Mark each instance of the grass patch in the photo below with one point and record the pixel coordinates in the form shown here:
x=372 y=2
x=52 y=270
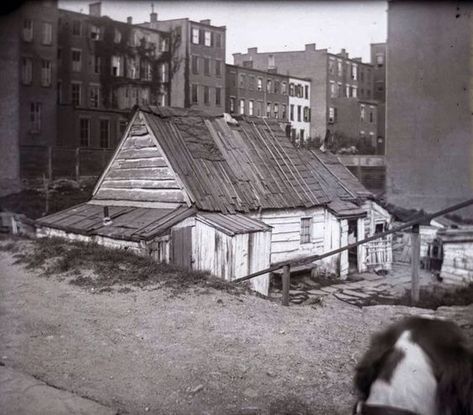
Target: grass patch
x=92 y=266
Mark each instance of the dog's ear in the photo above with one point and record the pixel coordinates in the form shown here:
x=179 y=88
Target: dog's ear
x=373 y=361
x=455 y=384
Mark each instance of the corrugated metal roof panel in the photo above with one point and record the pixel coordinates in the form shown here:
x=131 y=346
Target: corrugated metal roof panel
x=233 y=224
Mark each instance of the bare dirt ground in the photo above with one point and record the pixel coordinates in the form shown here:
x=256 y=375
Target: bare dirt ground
x=201 y=352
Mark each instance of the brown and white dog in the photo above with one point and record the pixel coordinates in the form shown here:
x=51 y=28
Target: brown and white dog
x=419 y=366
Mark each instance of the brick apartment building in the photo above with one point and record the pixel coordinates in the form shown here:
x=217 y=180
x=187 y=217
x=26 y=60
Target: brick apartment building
x=106 y=67
x=271 y=95
x=333 y=76
x=199 y=62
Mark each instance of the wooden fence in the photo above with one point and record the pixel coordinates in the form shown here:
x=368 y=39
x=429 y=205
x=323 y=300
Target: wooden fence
x=62 y=162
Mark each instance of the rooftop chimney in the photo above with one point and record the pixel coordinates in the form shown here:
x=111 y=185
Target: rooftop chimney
x=153 y=17
x=310 y=47
x=252 y=50
x=205 y=21
x=95 y=9
x=129 y=20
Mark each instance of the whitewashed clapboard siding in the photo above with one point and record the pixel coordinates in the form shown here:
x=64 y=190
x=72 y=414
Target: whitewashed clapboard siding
x=139 y=172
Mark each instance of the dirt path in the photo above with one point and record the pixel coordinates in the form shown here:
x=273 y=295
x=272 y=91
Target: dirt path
x=203 y=353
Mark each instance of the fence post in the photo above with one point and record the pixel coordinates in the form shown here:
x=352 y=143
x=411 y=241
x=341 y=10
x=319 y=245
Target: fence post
x=77 y=164
x=415 y=262
x=50 y=163
x=286 y=280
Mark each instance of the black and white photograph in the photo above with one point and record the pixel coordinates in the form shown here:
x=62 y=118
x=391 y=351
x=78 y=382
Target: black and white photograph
x=235 y=207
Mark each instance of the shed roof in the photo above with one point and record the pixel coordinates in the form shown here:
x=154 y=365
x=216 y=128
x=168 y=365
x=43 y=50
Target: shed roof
x=233 y=224
x=246 y=166
x=130 y=223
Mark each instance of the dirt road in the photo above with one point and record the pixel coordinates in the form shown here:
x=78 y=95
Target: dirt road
x=203 y=353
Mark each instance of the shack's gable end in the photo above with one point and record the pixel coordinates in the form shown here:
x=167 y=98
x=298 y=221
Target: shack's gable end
x=140 y=172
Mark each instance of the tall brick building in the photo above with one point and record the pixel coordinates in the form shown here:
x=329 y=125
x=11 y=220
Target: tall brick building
x=199 y=78
x=333 y=76
x=429 y=104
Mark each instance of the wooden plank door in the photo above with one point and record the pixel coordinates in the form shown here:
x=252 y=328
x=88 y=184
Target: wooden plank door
x=181 y=242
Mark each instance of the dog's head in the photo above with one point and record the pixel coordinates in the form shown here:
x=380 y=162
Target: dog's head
x=445 y=348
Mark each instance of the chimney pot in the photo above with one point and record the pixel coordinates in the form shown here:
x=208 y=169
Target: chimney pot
x=252 y=50
x=129 y=20
x=153 y=17
x=95 y=9
x=205 y=21
x=310 y=47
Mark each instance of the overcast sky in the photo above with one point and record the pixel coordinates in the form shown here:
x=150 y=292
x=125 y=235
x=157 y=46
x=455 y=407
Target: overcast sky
x=269 y=25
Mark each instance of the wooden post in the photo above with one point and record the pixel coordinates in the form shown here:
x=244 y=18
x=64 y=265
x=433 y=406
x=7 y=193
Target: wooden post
x=50 y=163
x=286 y=280
x=77 y=164
x=415 y=262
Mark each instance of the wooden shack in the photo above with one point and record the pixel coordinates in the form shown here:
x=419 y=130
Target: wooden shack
x=230 y=196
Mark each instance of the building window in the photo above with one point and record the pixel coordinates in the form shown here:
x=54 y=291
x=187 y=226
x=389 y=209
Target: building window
x=206 y=66
x=27 y=30
x=195 y=36
x=76 y=60
x=84 y=132
x=306 y=114
x=242 y=106
x=269 y=86
x=26 y=70
x=379 y=60
x=218 y=40
x=117 y=36
x=76 y=27
x=232 y=105
x=218 y=96
x=195 y=65
x=283 y=111
x=94 y=95
x=206 y=95
x=362 y=112
x=242 y=80
x=45 y=72
x=104 y=133
x=75 y=94
x=347 y=90
x=147 y=71
x=355 y=91
x=268 y=109
x=164 y=44
x=340 y=68
x=331 y=66
x=259 y=108
x=284 y=88
x=218 y=68
x=371 y=116
x=276 y=110
x=195 y=94
x=164 y=99
x=277 y=85
x=164 y=72
x=251 y=108
x=94 y=32
x=306 y=89
x=305 y=230
x=144 y=96
x=340 y=89
x=35 y=117
x=299 y=113
x=207 y=38
x=96 y=62
x=271 y=63
x=291 y=112
x=47 y=33
x=260 y=84
x=332 y=115
x=117 y=65
x=354 y=72
x=122 y=124
x=291 y=89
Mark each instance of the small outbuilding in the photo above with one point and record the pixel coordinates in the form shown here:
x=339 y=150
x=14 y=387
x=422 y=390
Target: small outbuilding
x=230 y=196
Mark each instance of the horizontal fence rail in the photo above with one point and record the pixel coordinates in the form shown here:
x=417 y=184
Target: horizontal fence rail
x=421 y=219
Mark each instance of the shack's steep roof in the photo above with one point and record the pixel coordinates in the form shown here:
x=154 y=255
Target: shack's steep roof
x=232 y=168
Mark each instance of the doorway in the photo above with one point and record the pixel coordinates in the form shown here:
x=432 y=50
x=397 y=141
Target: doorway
x=352 y=252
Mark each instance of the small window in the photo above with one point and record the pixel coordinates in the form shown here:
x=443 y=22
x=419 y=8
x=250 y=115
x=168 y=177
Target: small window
x=371 y=117
x=26 y=70
x=117 y=66
x=268 y=109
x=84 y=132
x=299 y=113
x=94 y=95
x=291 y=113
x=104 y=133
x=269 y=86
x=218 y=96
x=96 y=62
x=283 y=111
x=251 y=107
x=45 y=73
x=164 y=44
x=206 y=66
x=242 y=106
x=305 y=230
x=242 y=80
x=117 y=36
x=218 y=68
x=332 y=115
x=195 y=64
x=35 y=117
x=47 y=33
x=291 y=89
x=340 y=68
x=232 y=105
x=206 y=95
x=379 y=60
x=276 y=110
x=76 y=27
x=94 y=32
x=195 y=36
x=147 y=71
x=306 y=89
x=284 y=88
x=163 y=70
x=207 y=38
x=260 y=84
x=362 y=112
x=27 y=30
x=218 y=40
x=76 y=60
x=75 y=94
